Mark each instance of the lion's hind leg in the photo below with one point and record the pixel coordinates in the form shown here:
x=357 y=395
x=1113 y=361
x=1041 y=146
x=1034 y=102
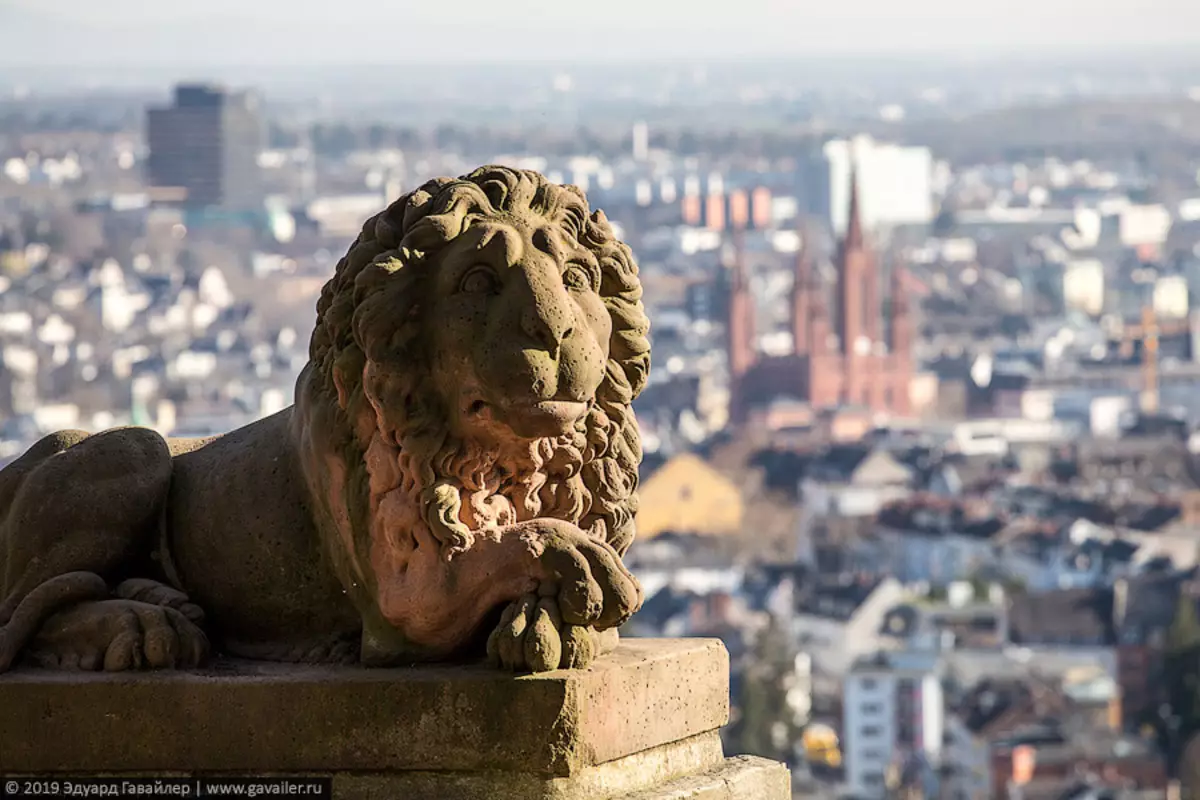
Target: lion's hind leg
x=78 y=511
x=58 y=592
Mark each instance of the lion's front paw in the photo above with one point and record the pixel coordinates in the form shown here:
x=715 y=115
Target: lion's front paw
x=118 y=635
x=586 y=576
x=532 y=637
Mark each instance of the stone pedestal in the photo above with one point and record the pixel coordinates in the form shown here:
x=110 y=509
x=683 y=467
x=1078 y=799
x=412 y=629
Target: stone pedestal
x=641 y=723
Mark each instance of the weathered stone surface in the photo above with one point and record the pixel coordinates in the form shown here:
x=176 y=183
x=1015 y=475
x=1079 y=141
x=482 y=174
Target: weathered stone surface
x=738 y=778
x=459 y=471
x=616 y=779
x=244 y=717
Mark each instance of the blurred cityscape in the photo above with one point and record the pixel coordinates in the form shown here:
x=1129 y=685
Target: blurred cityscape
x=921 y=435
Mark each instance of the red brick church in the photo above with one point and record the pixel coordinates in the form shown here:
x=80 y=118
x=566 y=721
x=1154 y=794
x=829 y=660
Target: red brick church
x=843 y=359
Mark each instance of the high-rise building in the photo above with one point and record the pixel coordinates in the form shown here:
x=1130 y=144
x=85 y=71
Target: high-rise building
x=207 y=143
x=641 y=141
x=894 y=716
x=895 y=183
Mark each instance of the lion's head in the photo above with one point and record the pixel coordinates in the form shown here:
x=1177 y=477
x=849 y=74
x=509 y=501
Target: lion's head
x=474 y=361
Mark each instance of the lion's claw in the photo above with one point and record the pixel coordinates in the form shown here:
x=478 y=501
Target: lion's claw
x=578 y=647
x=543 y=642
x=532 y=637
x=119 y=635
x=157 y=594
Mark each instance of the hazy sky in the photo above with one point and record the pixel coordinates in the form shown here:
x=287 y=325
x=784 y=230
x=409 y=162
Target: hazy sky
x=377 y=31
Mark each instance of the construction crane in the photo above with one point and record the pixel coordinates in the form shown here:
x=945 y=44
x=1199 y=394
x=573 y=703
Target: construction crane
x=1130 y=332
x=1149 y=331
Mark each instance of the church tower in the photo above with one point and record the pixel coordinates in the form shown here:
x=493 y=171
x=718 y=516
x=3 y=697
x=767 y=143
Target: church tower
x=900 y=358
x=802 y=295
x=739 y=327
x=858 y=303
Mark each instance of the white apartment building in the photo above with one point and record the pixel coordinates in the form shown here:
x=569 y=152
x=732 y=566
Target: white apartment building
x=895 y=183
x=894 y=716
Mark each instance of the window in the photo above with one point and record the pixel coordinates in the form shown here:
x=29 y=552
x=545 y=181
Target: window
x=1132 y=634
x=873 y=779
x=871 y=731
x=872 y=708
x=873 y=755
x=869 y=683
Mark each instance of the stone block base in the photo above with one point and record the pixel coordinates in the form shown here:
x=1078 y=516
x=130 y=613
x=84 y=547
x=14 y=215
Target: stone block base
x=732 y=779
x=642 y=723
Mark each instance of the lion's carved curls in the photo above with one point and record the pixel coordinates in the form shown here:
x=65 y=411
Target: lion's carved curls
x=371 y=314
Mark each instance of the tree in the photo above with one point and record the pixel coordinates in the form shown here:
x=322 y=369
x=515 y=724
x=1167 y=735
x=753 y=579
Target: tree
x=765 y=724
x=1181 y=673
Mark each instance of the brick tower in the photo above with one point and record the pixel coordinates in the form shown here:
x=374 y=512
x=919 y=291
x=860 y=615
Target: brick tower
x=740 y=329
x=837 y=360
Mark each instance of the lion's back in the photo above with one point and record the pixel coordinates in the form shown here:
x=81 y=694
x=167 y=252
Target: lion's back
x=242 y=535
x=182 y=445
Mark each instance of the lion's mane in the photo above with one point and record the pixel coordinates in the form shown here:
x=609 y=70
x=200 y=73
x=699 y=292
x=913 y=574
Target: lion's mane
x=370 y=315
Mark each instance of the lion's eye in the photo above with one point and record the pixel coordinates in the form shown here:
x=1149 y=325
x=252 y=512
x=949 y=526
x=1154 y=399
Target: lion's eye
x=480 y=280
x=577 y=276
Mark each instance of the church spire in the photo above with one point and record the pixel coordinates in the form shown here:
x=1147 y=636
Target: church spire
x=854 y=230
x=802 y=293
x=858 y=290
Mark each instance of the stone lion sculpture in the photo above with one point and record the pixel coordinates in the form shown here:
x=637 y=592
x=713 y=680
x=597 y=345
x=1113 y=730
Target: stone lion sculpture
x=458 y=474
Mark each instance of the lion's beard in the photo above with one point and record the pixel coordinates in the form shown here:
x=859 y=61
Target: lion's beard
x=482 y=487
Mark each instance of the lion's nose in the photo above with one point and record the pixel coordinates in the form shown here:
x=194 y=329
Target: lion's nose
x=548 y=331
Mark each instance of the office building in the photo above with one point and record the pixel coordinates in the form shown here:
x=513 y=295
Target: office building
x=206 y=145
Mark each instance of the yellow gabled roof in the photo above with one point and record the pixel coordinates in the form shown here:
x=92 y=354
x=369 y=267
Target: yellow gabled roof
x=688 y=495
